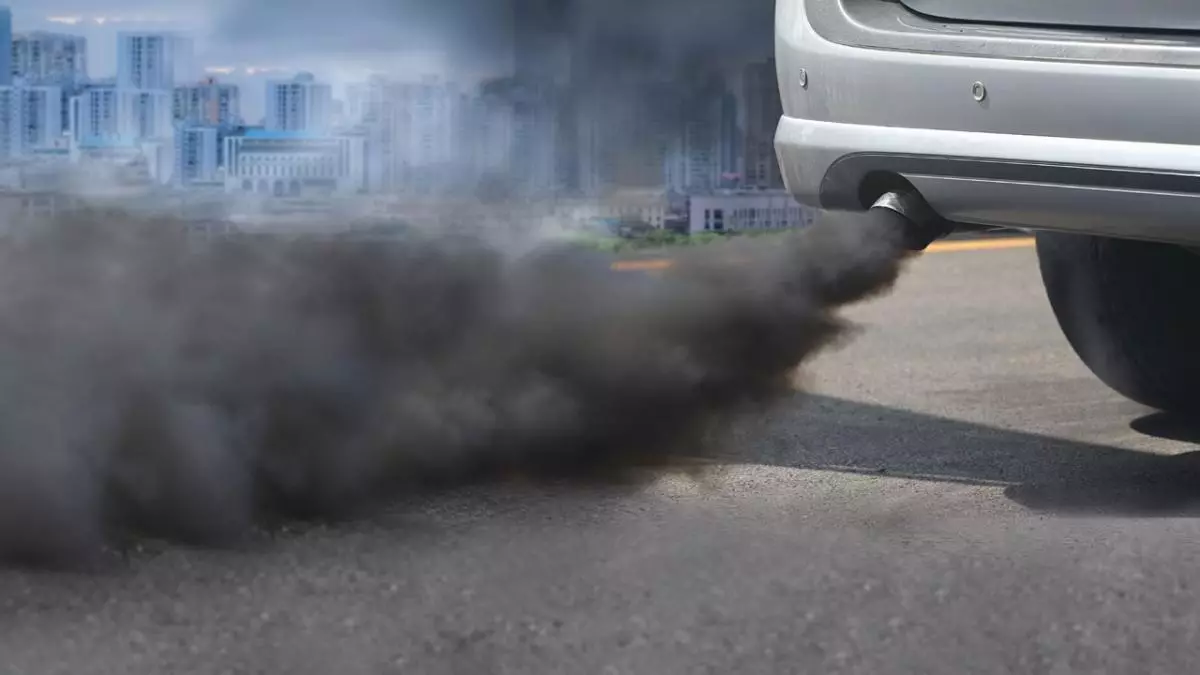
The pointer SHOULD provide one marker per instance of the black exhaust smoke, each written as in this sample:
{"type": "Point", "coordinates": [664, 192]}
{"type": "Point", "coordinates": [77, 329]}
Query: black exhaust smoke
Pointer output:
{"type": "Point", "coordinates": [152, 385]}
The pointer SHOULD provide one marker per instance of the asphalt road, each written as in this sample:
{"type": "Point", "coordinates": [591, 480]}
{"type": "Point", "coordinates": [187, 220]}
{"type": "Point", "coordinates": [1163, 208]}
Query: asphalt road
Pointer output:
{"type": "Point", "coordinates": [959, 496]}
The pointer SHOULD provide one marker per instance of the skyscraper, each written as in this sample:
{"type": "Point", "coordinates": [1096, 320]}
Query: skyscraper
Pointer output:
{"type": "Point", "coordinates": [207, 102]}
{"type": "Point", "coordinates": [760, 98]}
{"type": "Point", "coordinates": [6, 47]}
{"type": "Point", "coordinates": [94, 114]}
{"type": "Point", "coordinates": [42, 57]}
{"type": "Point", "coordinates": [52, 59]}
{"type": "Point", "coordinates": [30, 118]}
{"type": "Point", "coordinates": [535, 145]}
{"type": "Point", "coordinates": [144, 114]}
{"type": "Point", "coordinates": [153, 60]}
{"type": "Point", "coordinates": [299, 104]}
{"type": "Point", "coordinates": [729, 141]}
{"type": "Point", "coordinates": [197, 154]}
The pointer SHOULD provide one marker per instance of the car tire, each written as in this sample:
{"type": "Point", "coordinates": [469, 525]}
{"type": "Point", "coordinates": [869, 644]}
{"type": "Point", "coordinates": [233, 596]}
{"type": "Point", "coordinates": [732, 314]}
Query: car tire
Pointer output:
{"type": "Point", "coordinates": [1128, 310]}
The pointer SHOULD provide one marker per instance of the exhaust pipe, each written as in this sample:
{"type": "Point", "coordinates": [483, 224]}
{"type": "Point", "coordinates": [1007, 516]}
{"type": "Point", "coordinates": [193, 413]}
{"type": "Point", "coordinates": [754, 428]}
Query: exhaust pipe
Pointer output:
{"type": "Point", "coordinates": [918, 223]}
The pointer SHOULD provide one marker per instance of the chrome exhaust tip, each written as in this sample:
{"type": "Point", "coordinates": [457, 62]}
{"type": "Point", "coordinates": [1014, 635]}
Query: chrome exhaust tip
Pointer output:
{"type": "Point", "coordinates": [918, 223]}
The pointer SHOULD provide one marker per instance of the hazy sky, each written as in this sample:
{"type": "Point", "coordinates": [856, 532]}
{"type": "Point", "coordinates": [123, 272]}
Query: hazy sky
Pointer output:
{"type": "Point", "coordinates": [453, 36]}
{"type": "Point", "coordinates": [400, 35]}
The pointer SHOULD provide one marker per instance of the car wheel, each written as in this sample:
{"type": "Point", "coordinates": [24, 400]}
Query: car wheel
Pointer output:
{"type": "Point", "coordinates": [1128, 308]}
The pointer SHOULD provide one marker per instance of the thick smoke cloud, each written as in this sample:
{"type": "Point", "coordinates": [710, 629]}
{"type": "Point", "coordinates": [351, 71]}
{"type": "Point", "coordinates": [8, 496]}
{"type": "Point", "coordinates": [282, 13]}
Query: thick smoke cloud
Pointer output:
{"type": "Point", "coordinates": [609, 35]}
{"type": "Point", "coordinates": [189, 390]}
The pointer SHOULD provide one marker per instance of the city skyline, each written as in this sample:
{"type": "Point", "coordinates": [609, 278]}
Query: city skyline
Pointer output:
{"type": "Point", "coordinates": [563, 120]}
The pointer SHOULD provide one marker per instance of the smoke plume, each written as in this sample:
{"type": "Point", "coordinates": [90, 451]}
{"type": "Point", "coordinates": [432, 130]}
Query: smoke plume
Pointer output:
{"type": "Point", "coordinates": [605, 37]}
{"type": "Point", "coordinates": [190, 390]}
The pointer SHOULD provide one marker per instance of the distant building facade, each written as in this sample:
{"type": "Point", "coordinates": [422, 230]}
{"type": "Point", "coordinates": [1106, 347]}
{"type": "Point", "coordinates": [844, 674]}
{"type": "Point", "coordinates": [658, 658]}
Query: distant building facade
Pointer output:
{"type": "Point", "coordinates": [273, 163]}
{"type": "Point", "coordinates": [110, 112]}
{"type": "Point", "coordinates": [207, 102]}
{"type": "Point", "coordinates": [44, 57]}
{"type": "Point", "coordinates": [740, 211]}
{"type": "Point", "coordinates": [197, 155]}
{"type": "Point", "coordinates": [30, 119]}
{"type": "Point", "coordinates": [301, 104]}
{"type": "Point", "coordinates": [763, 108]}
{"type": "Point", "coordinates": [148, 60]}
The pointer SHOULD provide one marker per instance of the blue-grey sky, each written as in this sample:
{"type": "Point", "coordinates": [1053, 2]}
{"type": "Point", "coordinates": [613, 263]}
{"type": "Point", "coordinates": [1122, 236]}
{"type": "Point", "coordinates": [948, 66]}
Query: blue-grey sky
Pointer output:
{"type": "Point", "coordinates": [399, 35]}
{"type": "Point", "coordinates": [393, 35]}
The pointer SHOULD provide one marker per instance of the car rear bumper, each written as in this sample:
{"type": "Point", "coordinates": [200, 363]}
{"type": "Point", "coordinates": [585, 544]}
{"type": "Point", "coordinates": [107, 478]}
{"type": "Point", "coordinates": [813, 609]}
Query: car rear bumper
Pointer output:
{"type": "Point", "coordinates": [1059, 139]}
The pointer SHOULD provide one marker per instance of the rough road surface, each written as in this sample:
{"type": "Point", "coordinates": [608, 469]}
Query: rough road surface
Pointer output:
{"type": "Point", "coordinates": [961, 496]}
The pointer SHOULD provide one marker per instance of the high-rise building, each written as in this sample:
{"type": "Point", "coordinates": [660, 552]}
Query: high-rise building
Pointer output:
{"type": "Point", "coordinates": [108, 113]}
{"type": "Point", "coordinates": [30, 118]}
{"type": "Point", "coordinates": [153, 60]}
{"type": "Point", "coordinates": [43, 57]}
{"type": "Point", "coordinates": [144, 114]}
{"type": "Point", "coordinates": [490, 133]}
{"type": "Point", "coordinates": [299, 104]}
{"type": "Point", "coordinates": [207, 102]}
{"type": "Point", "coordinates": [6, 47]}
{"type": "Point", "coordinates": [53, 59]}
{"type": "Point", "coordinates": [197, 155]}
{"type": "Point", "coordinates": [94, 114]}
{"type": "Point", "coordinates": [534, 156]}
{"type": "Point", "coordinates": [624, 139]}
{"type": "Point", "coordinates": [10, 123]}
{"type": "Point", "coordinates": [365, 100]}
{"type": "Point", "coordinates": [763, 108]}
{"type": "Point", "coordinates": [428, 134]}
{"type": "Point", "coordinates": [729, 142]}
{"type": "Point", "coordinates": [703, 155]}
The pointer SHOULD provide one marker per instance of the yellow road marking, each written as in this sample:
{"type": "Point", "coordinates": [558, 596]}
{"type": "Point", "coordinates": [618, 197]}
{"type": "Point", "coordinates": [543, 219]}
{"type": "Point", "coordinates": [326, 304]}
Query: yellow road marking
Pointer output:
{"type": "Point", "coordinates": [642, 265]}
{"type": "Point", "coordinates": [980, 244]}
{"type": "Point", "coordinates": [658, 264]}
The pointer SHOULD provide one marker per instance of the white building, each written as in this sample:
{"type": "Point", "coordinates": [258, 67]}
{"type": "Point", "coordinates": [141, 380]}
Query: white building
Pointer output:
{"type": "Point", "coordinates": [94, 114]}
{"type": "Point", "coordinates": [30, 119]}
{"type": "Point", "coordinates": [109, 112]}
{"type": "Point", "coordinates": [197, 155]}
{"type": "Point", "coordinates": [645, 207]}
{"type": "Point", "coordinates": [153, 60]}
{"type": "Point", "coordinates": [430, 144]}
{"type": "Point", "coordinates": [365, 100]}
{"type": "Point", "coordinates": [49, 58]}
{"type": "Point", "coordinates": [207, 102]}
{"type": "Point", "coordinates": [417, 134]}
{"type": "Point", "coordinates": [300, 104]}
{"type": "Point", "coordinates": [749, 210]}
{"type": "Point", "coordinates": [144, 114]}
{"type": "Point", "coordinates": [293, 164]}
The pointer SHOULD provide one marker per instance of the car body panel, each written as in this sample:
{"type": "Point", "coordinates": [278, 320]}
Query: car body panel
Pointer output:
{"type": "Point", "coordinates": [1141, 14]}
{"type": "Point", "coordinates": [888, 25]}
{"type": "Point", "coordinates": [1069, 111]}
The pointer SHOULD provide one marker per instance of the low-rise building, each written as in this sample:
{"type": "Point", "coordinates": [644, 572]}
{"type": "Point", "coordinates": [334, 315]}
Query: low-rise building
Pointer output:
{"type": "Point", "coordinates": [745, 210]}
{"type": "Point", "coordinates": [293, 163]}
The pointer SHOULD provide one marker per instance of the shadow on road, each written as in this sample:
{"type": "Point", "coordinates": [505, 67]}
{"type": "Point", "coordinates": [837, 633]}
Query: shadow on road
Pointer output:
{"type": "Point", "coordinates": [1041, 473]}
{"type": "Point", "coordinates": [1168, 427]}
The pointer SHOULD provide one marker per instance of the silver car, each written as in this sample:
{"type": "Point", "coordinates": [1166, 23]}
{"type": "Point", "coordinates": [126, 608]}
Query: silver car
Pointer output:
{"type": "Point", "coordinates": [1077, 119]}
